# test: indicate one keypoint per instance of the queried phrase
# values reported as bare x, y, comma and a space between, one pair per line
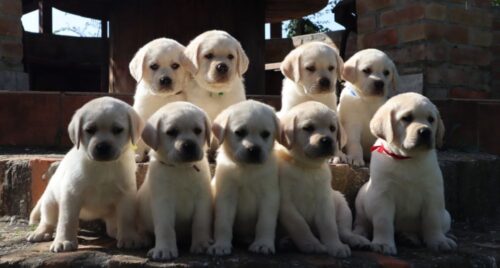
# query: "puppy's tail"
35, 213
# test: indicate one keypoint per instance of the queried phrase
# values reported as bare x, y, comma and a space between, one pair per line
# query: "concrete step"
472, 181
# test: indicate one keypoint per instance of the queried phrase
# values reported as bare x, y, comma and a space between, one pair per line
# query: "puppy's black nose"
325, 82
165, 81
379, 85
188, 146
254, 154
326, 141
103, 148
424, 133
221, 68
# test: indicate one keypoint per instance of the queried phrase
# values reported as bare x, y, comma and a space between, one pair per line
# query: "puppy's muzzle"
378, 87
166, 82
424, 137
324, 147
103, 151
253, 154
189, 151
325, 84
222, 68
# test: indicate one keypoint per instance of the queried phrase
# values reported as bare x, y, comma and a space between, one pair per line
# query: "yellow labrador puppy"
220, 63
246, 178
316, 217
311, 72
175, 201
370, 75
161, 70
405, 192
95, 179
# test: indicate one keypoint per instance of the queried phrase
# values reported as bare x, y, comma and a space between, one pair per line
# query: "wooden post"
104, 85
45, 16
276, 30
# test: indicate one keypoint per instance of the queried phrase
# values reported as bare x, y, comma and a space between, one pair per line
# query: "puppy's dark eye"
311, 68
230, 56
386, 72
407, 118
197, 130
91, 130
332, 128
175, 66
209, 56
154, 66
172, 132
241, 133
116, 130
367, 70
308, 128
331, 67
265, 134
430, 119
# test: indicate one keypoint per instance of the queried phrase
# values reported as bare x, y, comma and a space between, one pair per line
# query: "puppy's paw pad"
163, 253
316, 247
200, 247
339, 250
39, 237
63, 246
262, 247
384, 248
443, 244
220, 249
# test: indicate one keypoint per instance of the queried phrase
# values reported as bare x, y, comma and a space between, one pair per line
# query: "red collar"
381, 149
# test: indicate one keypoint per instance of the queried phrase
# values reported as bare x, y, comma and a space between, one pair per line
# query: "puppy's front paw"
220, 249
39, 236
314, 247
384, 248
442, 244
63, 246
357, 241
130, 241
262, 247
338, 250
339, 158
200, 247
356, 161
163, 253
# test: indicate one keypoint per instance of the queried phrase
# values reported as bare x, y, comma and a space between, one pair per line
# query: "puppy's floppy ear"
395, 76
187, 64
340, 66
242, 60
136, 64
287, 130
75, 129
383, 124
290, 67
219, 126
341, 135
349, 72
150, 134
439, 132
136, 125
191, 52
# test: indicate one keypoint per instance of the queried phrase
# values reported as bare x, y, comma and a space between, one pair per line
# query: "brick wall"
453, 43
12, 76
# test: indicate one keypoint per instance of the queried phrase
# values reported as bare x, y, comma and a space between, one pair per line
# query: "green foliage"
311, 23
495, 3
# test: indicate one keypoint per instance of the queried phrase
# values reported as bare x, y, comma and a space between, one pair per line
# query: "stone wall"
12, 76
450, 42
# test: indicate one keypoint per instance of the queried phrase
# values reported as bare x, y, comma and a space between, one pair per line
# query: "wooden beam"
276, 30
45, 16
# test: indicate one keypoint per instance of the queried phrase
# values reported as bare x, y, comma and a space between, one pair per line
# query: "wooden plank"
45, 16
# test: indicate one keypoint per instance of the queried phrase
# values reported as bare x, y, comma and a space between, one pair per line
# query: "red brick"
411, 12
437, 51
457, 34
412, 32
470, 56
408, 54
366, 24
11, 49
435, 11
434, 75
482, 3
465, 76
11, 7
38, 183
10, 27
464, 93
470, 17
480, 38
368, 6
381, 38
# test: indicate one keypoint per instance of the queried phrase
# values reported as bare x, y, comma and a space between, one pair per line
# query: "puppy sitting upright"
246, 178
405, 192
95, 179
161, 70
175, 201
311, 72
310, 208
370, 75
217, 81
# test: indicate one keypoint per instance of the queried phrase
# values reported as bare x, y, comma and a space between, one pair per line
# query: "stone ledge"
476, 249
471, 183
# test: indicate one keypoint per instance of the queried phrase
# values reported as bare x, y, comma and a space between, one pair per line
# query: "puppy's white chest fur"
294, 94
146, 103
